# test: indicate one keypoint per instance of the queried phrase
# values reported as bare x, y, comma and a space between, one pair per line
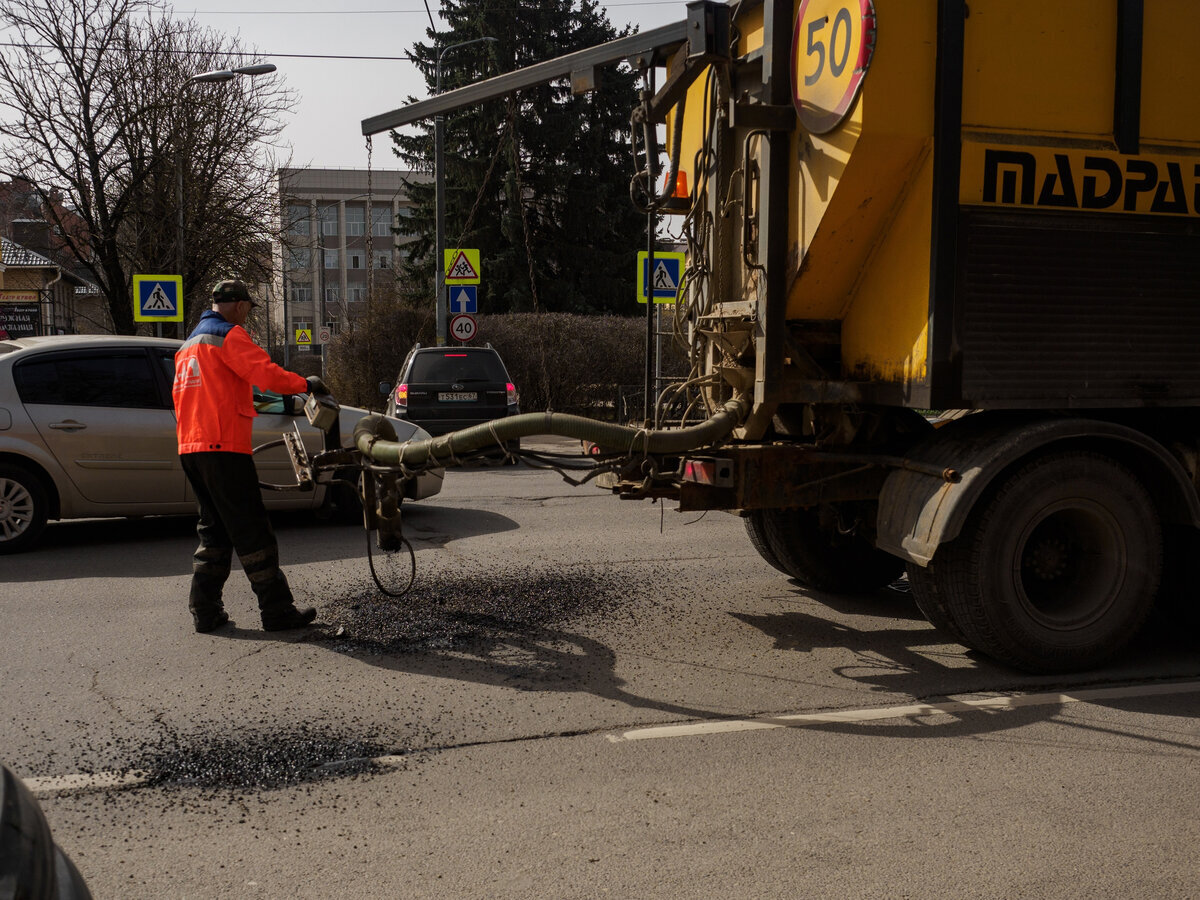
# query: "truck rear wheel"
930, 602
756, 531
1058, 568
810, 545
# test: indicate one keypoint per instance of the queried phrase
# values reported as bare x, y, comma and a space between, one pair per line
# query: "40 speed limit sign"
462, 327
832, 48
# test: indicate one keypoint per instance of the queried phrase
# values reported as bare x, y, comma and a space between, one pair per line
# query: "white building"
330, 257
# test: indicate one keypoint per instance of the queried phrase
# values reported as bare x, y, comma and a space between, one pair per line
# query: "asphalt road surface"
580, 697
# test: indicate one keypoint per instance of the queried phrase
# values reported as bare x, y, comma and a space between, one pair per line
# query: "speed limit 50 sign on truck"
832, 48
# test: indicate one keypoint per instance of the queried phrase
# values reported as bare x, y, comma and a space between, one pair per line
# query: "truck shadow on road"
511, 625
521, 657
919, 663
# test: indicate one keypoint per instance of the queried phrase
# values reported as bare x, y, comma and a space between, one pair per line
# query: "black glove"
316, 385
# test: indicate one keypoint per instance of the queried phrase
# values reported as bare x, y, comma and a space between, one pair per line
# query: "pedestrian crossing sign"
667, 278
158, 298
462, 266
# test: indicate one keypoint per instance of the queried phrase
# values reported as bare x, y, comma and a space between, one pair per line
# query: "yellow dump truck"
942, 299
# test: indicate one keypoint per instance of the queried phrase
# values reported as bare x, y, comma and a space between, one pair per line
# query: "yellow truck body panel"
1037, 132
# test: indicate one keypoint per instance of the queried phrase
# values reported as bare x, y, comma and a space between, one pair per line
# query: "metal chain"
370, 267
520, 199
370, 232
500, 145
516, 150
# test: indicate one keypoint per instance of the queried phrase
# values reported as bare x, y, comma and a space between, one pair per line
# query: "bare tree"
165, 176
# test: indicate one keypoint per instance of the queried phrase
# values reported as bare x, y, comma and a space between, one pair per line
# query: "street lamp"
219, 75
214, 77
440, 188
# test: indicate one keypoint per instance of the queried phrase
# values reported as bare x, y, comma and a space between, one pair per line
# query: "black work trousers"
232, 517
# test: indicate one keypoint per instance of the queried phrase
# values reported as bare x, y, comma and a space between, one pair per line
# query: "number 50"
833, 42
841, 31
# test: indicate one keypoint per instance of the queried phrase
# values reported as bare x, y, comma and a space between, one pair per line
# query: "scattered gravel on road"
448, 610
257, 760
505, 610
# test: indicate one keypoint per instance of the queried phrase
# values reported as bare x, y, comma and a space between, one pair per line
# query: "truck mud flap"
918, 512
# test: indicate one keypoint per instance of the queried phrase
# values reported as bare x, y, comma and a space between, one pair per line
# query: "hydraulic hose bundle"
386, 463
449, 448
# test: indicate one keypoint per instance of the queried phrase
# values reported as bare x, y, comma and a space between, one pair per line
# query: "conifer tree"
537, 180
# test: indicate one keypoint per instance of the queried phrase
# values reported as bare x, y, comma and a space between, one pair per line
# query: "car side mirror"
385, 388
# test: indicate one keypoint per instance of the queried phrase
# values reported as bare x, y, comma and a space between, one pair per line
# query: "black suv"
444, 389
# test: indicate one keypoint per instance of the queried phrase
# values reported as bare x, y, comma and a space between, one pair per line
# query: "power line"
406, 58
369, 12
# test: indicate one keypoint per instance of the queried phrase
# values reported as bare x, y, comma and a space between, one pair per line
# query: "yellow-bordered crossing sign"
158, 298
667, 277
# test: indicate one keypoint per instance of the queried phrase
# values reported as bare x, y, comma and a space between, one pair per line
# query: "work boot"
208, 612
275, 601
286, 617
209, 620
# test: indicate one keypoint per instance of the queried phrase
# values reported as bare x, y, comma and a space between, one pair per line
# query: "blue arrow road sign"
463, 298
157, 298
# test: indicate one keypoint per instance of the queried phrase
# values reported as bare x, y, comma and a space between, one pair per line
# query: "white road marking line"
949, 707
102, 781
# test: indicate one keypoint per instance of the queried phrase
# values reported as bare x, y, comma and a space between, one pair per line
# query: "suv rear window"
457, 365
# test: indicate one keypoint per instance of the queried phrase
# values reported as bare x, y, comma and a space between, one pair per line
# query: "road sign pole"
439, 226
651, 226
658, 335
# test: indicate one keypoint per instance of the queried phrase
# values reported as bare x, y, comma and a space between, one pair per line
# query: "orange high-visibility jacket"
215, 371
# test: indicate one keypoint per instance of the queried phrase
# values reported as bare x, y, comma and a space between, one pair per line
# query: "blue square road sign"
665, 280
158, 298
463, 298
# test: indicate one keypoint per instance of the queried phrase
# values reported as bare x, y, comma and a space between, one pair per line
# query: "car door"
106, 415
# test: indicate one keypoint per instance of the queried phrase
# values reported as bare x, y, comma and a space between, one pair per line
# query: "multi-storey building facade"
331, 255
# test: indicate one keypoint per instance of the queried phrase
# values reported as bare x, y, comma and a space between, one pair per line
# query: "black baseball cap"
232, 292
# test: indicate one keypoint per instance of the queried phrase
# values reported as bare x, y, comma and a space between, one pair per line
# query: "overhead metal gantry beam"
648, 47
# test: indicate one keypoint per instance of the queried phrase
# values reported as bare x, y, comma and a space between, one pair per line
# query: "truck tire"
1058, 568
24, 508
931, 603
756, 531
811, 549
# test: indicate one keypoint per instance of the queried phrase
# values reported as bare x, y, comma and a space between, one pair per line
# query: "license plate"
457, 396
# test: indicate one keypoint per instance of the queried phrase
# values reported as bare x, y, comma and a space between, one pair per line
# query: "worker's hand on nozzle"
316, 385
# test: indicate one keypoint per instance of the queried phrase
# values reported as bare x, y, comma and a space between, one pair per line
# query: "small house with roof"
37, 296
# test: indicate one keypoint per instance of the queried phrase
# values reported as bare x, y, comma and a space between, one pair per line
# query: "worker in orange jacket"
215, 372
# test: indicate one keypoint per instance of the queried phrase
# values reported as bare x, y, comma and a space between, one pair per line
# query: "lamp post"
440, 193
214, 77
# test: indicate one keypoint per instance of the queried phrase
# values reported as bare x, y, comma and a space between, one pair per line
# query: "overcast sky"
335, 95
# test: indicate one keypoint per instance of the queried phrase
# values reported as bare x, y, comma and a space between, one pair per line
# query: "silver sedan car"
87, 430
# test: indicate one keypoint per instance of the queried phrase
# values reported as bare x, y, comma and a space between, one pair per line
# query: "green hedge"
590, 365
